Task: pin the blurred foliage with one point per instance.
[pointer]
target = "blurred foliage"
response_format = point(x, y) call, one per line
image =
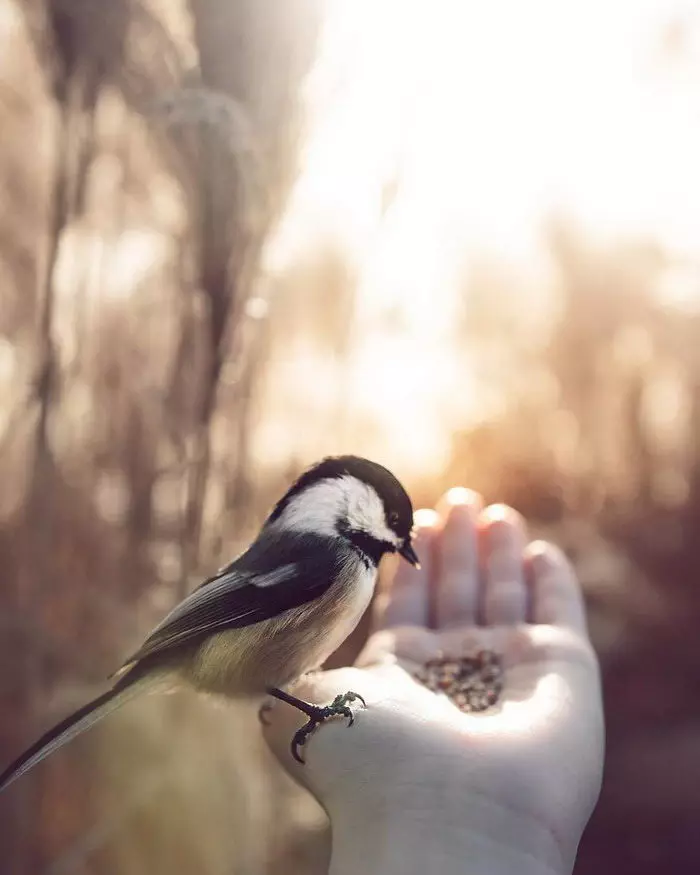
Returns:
point(148, 152)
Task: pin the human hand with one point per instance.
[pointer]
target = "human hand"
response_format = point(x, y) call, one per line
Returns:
point(417, 785)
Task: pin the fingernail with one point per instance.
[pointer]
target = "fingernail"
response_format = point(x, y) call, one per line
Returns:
point(425, 518)
point(544, 555)
point(496, 513)
point(461, 495)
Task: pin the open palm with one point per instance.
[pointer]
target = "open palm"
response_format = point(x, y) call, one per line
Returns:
point(535, 758)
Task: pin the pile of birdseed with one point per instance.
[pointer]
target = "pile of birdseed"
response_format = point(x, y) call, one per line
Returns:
point(473, 683)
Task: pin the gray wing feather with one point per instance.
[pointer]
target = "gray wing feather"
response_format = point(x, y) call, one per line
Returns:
point(278, 572)
point(217, 604)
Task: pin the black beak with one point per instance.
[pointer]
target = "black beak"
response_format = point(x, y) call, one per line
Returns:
point(409, 554)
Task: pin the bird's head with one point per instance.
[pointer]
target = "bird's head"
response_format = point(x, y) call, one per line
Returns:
point(352, 498)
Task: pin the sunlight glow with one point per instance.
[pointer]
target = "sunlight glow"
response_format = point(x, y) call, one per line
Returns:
point(425, 518)
point(459, 495)
point(445, 130)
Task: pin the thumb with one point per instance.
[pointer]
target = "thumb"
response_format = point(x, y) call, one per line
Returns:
point(334, 750)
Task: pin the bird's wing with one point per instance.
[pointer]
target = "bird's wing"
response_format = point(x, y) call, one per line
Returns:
point(239, 596)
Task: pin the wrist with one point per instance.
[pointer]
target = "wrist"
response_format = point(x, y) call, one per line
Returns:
point(424, 831)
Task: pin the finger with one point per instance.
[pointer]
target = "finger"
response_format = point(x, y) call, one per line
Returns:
point(502, 541)
point(456, 581)
point(556, 593)
point(406, 601)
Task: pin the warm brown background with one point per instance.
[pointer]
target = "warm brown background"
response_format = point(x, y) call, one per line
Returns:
point(129, 398)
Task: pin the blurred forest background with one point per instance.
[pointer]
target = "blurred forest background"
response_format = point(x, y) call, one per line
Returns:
point(237, 235)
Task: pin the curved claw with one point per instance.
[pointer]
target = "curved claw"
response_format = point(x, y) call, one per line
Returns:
point(298, 741)
point(317, 715)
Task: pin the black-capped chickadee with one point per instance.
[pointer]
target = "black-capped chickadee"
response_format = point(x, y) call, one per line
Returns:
point(277, 611)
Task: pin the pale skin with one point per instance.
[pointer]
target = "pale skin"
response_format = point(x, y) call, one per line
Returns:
point(416, 786)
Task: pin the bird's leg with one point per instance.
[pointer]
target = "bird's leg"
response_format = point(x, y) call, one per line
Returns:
point(317, 714)
point(268, 705)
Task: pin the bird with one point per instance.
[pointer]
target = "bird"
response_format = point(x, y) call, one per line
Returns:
point(273, 614)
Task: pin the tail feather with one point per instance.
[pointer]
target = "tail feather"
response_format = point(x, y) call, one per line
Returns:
point(73, 726)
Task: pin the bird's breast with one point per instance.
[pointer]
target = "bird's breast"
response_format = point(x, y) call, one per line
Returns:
point(340, 610)
point(244, 661)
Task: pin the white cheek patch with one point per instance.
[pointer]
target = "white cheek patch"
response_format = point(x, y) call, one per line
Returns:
point(365, 512)
point(318, 509)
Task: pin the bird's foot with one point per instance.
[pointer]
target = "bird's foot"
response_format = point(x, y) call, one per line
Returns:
point(317, 715)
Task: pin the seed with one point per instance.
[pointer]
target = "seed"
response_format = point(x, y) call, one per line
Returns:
point(473, 683)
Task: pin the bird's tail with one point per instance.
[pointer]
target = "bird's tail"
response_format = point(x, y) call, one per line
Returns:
point(82, 719)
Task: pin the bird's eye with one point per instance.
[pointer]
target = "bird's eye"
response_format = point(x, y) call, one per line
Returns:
point(393, 519)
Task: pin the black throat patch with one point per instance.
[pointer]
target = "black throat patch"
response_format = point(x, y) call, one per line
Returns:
point(370, 549)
